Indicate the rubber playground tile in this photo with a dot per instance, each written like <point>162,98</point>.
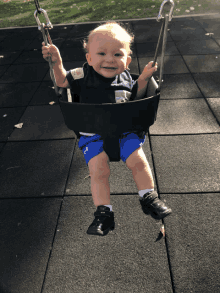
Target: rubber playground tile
<point>130,258</point>
<point>3,36</point>
<point>134,51</point>
<point>35,169</point>
<point>72,54</point>
<point>17,94</point>
<point>20,33</point>
<point>82,30</point>
<point>147,31</point>
<point>37,43</point>
<point>208,83</point>
<point>172,64</point>
<point>77,183</point>
<point>3,69</point>
<point>187,163</point>
<point>149,49</point>
<point>44,95</point>
<point>198,47</point>
<point>8,57</point>
<point>24,73</point>
<point>1,146</point>
<point>29,57</point>
<point>73,42</point>
<point>188,33</point>
<point>180,86</point>
<point>121,180</point>
<point>214,103</point>
<point>60,32</point>
<point>144,35</point>
<point>211,26</point>
<point>5,33</point>
<point>184,22</point>
<point>203,63</point>
<point>192,237</point>
<point>184,116</point>
<point>42,122</point>
<point>13,44</point>
<point>8,118</point>
<point>26,230</point>
<point>214,33</point>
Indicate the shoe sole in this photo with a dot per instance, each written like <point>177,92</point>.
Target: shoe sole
<point>168,212</point>
<point>94,231</point>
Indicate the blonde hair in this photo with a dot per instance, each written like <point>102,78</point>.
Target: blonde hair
<point>116,30</point>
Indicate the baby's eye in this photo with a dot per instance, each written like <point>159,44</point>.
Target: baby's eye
<point>101,53</point>
<point>118,54</point>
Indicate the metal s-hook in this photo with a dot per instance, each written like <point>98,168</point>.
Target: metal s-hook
<point>171,2</point>
<point>48,23</point>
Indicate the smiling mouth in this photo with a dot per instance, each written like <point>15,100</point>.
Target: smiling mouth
<point>112,68</point>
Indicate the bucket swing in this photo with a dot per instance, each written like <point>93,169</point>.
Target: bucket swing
<point>111,120</point>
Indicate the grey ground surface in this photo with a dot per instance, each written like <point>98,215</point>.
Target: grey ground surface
<point>46,205</point>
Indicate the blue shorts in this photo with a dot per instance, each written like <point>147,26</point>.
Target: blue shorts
<point>93,145</point>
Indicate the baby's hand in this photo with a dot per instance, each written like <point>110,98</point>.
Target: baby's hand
<point>51,50</point>
<point>148,70</point>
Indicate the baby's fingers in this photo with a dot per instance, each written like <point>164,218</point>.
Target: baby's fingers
<point>150,64</point>
<point>149,70</point>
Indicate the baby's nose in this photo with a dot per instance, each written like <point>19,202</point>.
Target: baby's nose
<point>109,57</point>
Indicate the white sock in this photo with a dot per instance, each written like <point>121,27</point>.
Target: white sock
<point>144,191</point>
<point>109,206</point>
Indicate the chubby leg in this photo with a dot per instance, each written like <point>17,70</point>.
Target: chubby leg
<point>138,164</point>
<point>100,172</point>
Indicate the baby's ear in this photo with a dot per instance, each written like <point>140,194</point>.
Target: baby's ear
<point>88,58</point>
<point>128,61</point>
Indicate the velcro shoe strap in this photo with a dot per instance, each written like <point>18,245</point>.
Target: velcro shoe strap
<point>103,214</point>
<point>149,198</point>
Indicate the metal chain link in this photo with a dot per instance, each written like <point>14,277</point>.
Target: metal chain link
<point>46,37</point>
<point>37,6</point>
<point>164,31</point>
<point>47,40</point>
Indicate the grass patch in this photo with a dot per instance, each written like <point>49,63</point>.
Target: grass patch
<point>21,12</point>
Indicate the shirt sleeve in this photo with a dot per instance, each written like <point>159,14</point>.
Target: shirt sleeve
<point>74,84</point>
<point>70,79</point>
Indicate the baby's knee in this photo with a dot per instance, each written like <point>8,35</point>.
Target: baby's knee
<point>137,160</point>
<point>99,167</point>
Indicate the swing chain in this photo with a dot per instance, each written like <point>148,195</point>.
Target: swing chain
<point>171,2</point>
<point>163,31</point>
<point>47,39</point>
<point>37,6</point>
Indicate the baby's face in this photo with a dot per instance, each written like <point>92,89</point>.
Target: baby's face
<point>107,56</point>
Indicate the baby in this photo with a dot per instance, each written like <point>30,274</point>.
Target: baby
<point>108,56</point>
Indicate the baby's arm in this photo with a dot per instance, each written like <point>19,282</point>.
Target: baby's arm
<point>59,71</point>
<point>144,78</point>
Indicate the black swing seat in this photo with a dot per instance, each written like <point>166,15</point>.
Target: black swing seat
<point>111,120</point>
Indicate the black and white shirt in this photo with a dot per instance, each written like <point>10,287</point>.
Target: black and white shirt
<point>93,88</point>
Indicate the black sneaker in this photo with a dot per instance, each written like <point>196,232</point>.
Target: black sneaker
<point>103,222</point>
<point>150,202</point>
